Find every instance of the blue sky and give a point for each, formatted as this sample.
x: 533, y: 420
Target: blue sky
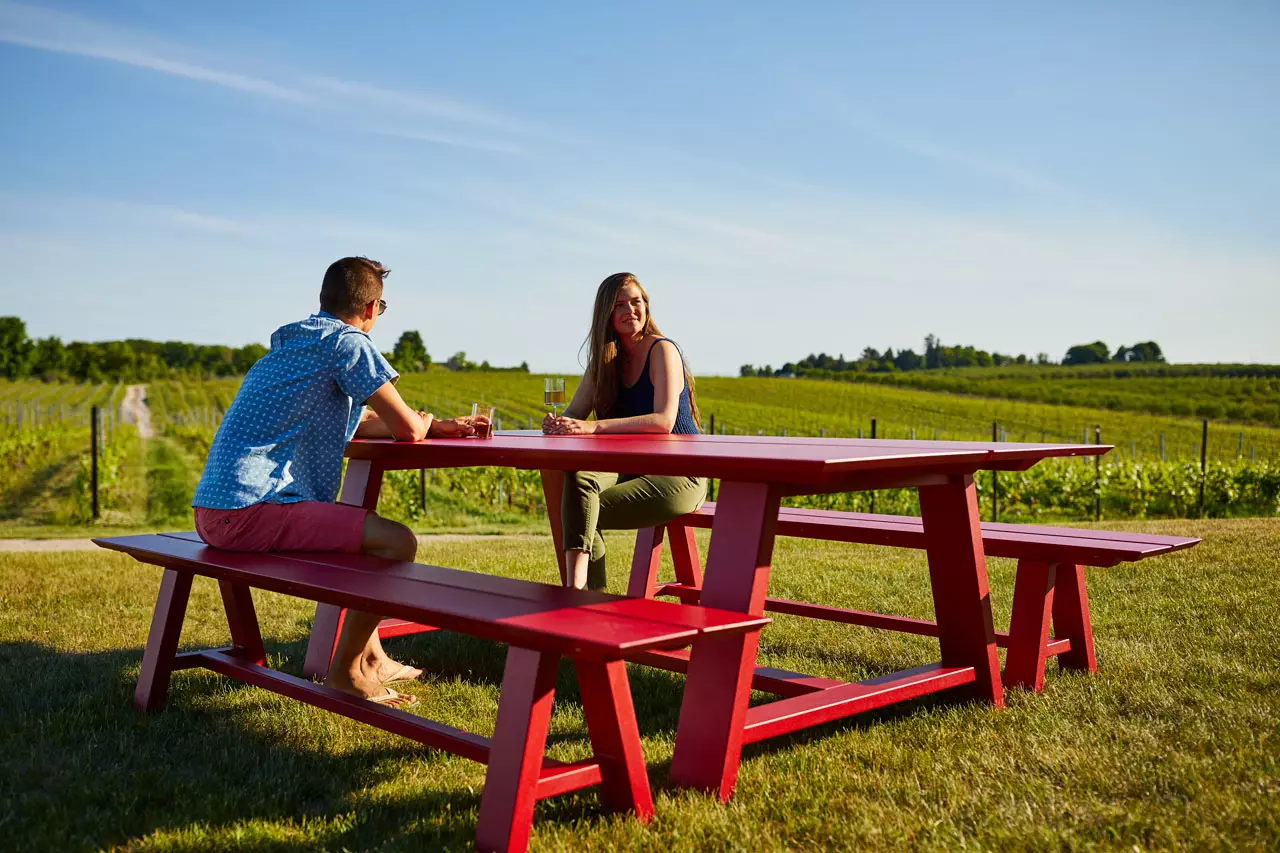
x: 784, y: 178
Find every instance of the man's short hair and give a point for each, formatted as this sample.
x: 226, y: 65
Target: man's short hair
x: 350, y: 284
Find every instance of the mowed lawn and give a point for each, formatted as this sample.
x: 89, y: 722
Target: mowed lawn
x: 1174, y: 744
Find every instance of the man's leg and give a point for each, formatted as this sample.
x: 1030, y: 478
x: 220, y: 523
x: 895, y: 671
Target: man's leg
x: 359, y: 664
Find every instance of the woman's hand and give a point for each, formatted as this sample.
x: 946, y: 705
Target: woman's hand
x: 455, y: 427
x: 567, y: 426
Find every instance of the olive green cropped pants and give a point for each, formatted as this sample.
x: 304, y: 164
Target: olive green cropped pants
x: 593, y: 501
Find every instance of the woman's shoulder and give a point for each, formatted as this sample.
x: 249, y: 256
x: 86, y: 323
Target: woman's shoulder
x: 662, y: 348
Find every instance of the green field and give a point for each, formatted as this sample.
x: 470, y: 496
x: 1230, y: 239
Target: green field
x: 1153, y: 472
x: 1172, y: 745
x: 1245, y: 393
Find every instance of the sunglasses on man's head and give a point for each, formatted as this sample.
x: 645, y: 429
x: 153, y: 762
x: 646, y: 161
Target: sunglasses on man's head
x: 382, y: 306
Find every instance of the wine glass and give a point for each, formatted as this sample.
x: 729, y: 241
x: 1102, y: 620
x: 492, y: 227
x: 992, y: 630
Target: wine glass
x: 553, y: 393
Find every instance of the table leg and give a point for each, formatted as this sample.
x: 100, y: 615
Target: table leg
x: 958, y: 577
x: 713, y: 711
x: 552, y: 493
x: 360, y: 487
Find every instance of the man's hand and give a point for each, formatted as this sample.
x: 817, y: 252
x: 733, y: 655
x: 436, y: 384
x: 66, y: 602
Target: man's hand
x: 454, y: 427
x: 568, y: 426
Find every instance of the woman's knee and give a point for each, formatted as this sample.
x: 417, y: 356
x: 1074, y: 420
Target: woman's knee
x: 582, y: 482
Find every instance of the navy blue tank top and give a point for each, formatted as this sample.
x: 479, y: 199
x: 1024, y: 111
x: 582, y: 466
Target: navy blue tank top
x: 638, y: 399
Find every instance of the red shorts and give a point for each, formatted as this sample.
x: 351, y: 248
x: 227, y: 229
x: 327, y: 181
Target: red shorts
x: 300, y: 526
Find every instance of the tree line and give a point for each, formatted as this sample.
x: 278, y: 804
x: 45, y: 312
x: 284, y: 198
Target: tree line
x: 936, y: 355
x: 138, y: 360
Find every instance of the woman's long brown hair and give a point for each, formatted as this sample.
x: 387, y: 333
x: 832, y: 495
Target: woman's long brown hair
x: 603, y: 361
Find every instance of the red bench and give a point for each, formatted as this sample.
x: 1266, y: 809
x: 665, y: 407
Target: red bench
x: 539, y: 623
x: 1049, y: 589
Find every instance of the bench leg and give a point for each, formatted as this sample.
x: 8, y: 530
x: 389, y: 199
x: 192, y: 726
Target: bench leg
x: 1071, y: 619
x: 243, y: 619
x: 324, y: 637
x: 1029, y: 625
x: 684, y: 555
x: 162, y: 641
x: 958, y: 578
x: 615, y: 738
x: 644, y: 563
x: 515, y: 753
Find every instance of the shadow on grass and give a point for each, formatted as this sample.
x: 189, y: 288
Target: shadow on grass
x: 81, y: 769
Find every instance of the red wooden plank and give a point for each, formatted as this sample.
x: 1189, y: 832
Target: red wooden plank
x: 501, y: 618
x: 564, y: 778
x: 799, y: 712
x: 611, y: 624
x: 436, y: 735
x: 1048, y: 544
x: 767, y: 679
x: 705, y: 619
x: 796, y: 461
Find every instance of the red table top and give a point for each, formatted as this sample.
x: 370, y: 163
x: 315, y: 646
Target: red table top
x: 776, y: 459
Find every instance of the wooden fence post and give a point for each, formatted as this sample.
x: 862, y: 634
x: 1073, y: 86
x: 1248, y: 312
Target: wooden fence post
x: 1204, y: 456
x: 1097, y: 476
x: 995, y: 480
x: 93, y: 465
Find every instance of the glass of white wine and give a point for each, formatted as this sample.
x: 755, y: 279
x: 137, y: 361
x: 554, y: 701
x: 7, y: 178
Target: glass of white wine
x: 553, y: 393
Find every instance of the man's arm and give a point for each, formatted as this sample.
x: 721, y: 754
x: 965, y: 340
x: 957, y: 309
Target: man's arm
x: 394, y: 417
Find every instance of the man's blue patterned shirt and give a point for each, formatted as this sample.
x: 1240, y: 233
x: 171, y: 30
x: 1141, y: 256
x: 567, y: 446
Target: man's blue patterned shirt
x: 283, y: 438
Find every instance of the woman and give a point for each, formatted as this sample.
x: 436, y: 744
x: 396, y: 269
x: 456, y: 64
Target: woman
x: 636, y: 382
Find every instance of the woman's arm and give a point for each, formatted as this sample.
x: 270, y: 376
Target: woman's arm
x: 578, y: 409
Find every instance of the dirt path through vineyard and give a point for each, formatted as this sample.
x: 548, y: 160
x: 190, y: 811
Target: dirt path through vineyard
x: 133, y: 410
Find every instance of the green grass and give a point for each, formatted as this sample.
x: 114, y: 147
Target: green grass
x: 1173, y: 744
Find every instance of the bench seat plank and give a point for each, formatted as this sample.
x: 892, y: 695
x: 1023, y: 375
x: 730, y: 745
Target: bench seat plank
x: 614, y: 626
x: 1101, y: 548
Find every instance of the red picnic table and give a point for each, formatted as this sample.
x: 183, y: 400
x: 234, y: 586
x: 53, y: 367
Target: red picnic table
x: 755, y: 473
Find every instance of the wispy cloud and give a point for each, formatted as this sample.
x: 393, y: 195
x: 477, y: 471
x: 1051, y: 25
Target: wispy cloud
x: 60, y: 32
x: 1010, y: 173
x: 415, y: 116
x: 838, y: 108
